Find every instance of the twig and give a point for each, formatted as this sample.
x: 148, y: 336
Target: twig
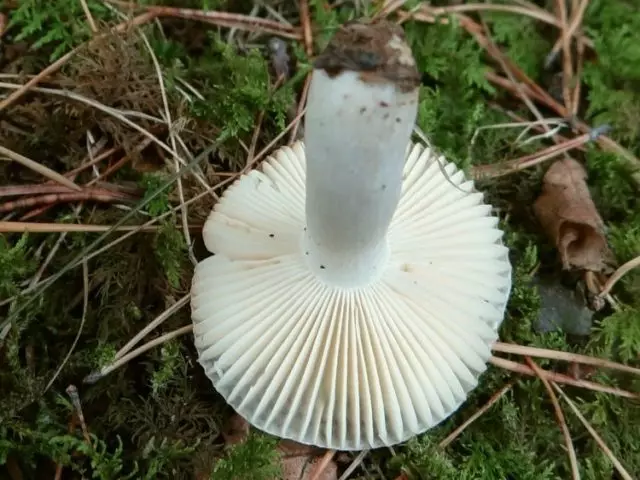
x: 87, y: 13
x: 300, y: 110
x: 571, y: 451
x: 578, y: 84
x: 616, y: 463
x: 277, y: 138
x: 72, y: 391
x: 564, y: 356
x: 477, y: 414
x: 561, y: 378
x: 354, y: 464
x: 153, y: 324
x: 322, y: 465
x: 226, y: 19
x: 103, y: 372
x: 512, y: 166
x: 576, y: 20
x: 618, y: 274
x: 34, y: 227
x: 305, y: 20
x: 567, y: 62
x: 96, y: 195
x: 39, y: 168
x: 429, y: 14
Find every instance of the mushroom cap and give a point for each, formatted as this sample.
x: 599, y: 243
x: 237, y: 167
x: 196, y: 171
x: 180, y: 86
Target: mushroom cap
x: 357, y: 368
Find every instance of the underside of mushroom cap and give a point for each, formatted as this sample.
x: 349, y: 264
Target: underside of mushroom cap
x: 359, y: 368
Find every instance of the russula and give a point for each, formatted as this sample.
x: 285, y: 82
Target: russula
x: 358, y: 280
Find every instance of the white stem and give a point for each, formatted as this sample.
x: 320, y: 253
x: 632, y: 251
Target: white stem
x: 356, y: 137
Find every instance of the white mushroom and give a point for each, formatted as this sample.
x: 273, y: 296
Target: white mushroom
x: 356, y: 290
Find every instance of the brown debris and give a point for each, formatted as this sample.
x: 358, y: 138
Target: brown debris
x: 236, y: 430
x: 569, y: 217
x: 299, y: 462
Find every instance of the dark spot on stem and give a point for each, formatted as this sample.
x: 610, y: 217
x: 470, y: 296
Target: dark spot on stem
x: 271, y: 235
x: 398, y: 120
x: 384, y: 104
x: 322, y: 267
x: 385, y: 116
x: 362, y: 110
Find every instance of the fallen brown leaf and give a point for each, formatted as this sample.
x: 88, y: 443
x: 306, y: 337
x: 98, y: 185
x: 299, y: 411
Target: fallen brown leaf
x: 236, y: 430
x: 299, y: 462
x: 569, y: 217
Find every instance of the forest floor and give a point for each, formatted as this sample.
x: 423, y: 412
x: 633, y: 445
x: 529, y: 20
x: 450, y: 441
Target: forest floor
x: 121, y: 123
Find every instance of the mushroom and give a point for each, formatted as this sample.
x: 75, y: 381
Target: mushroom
x: 358, y: 280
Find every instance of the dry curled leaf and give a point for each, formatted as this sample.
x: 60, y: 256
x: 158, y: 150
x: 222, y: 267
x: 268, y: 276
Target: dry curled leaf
x: 569, y: 217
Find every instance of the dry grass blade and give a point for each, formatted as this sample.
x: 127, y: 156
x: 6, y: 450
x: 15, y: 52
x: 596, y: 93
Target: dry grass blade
x: 477, y: 414
x: 559, y: 355
x: 561, y: 378
x: 518, y: 164
x: 427, y: 13
x: 618, y: 274
x: 231, y: 20
x: 607, y: 451
x: 103, y: 372
x: 567, y: 61
x: 571, y: 451
x: 320, y: 467
x: 39, y: 168
x: 34, y: 227
x: 305, y: 20
x: 152, y: 325
x: 96, y: 194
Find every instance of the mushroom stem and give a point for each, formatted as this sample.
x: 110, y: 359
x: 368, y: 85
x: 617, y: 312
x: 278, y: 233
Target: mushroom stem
x: 361, y: 108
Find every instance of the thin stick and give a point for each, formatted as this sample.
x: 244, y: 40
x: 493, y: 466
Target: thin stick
x: 231, y: 20
x: 571, y: 451
x: 72, y: 391
x: 477, y: 414
x: 87, y: 13
x: 561, y: 378
x: 96, y: 195
x: 34, y: 227
x: 355, y: 464
x: 103, y: 372
x: 152, y: 325
x: 431, y: 14
x: 277, y: 138
x: 513, y: 166
x: 618, y: 274
x: 559, y: 355
x: 576, y: 20
x: 300, y: 109
x: 307, y: 35
x: 322, y: 465
x: 616, y: 463
x: 39, y: 168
